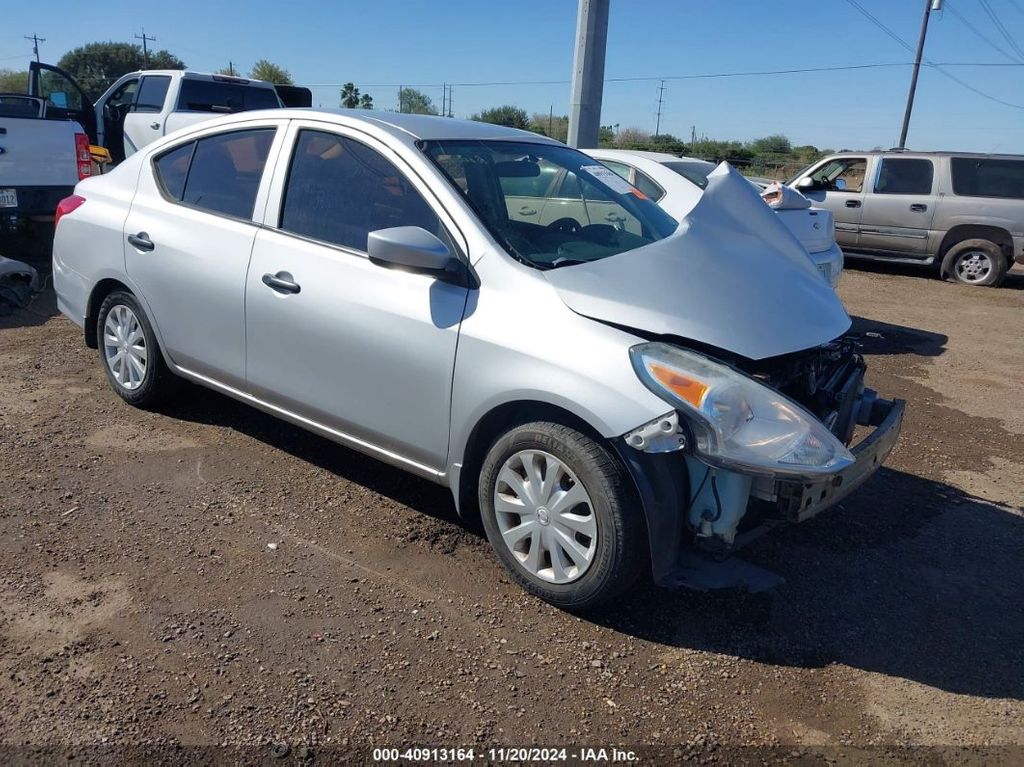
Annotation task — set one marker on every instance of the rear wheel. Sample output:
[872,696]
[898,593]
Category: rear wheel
[129,352]
[975,262]
[558,511]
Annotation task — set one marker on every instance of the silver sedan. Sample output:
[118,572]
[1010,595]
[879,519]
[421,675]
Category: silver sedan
[605,390]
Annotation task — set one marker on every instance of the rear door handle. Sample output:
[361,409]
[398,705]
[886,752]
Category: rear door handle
[141,241]
[853,203]
[281,282]
[919,207]
[154,126]
[527,211]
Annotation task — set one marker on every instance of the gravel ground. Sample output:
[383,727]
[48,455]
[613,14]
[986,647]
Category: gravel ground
[207,575]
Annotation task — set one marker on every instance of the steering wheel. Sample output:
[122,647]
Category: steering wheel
[565,224]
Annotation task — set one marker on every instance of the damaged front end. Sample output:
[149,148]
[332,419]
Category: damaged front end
[19,283]
[777,452]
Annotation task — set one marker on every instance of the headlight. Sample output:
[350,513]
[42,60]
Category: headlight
[738,423]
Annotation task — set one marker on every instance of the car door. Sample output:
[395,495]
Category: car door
[898,209]
[189,234]
[838,185]
[364,351]
[64,96]
[144,122]
[112,109]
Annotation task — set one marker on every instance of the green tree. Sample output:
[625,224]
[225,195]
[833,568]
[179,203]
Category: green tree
[775,144]
[96,65]
[555,126]
[268,70]
[415,102]
[366,101]
[349,96]
[12,81]
[508,115]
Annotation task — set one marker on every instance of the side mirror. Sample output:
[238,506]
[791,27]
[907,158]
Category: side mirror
[806,184]
[409,246]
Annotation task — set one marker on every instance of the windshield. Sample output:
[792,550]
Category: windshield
[550,205]
[692,170]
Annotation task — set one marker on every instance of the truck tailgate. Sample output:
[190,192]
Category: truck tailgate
[37,152]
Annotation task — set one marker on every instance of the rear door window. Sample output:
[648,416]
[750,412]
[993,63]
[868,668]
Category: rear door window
[219,173]
[224,97]
[902,175]
[152,93]
[648,186]
[985,177]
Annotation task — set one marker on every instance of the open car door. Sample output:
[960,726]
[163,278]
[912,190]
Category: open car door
[294,95]
[64,96]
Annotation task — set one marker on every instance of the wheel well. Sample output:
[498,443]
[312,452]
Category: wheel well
[493,425]
[102,289]
[999,236]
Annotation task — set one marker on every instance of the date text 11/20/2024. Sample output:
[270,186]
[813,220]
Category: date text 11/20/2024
[503,754]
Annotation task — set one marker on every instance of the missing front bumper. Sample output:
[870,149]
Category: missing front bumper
[799,501]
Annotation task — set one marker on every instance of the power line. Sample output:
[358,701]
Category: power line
[932,64]
[1002,29]
[978,33]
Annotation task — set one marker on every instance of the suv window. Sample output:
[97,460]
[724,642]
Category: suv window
[152,93]
[340,190]
[849,170]
[225,97]
[901,175]
[219,173]
[984,177]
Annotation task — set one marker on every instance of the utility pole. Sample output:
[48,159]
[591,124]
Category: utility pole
[929,6]
[588,73]
[36,39]
[231,68]
[145,48]
[551,119]
[661,95]
[444,99]
[401,106]
[450,89]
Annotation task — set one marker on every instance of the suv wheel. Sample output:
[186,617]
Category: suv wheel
[129,352]
[975,262]
[559,513]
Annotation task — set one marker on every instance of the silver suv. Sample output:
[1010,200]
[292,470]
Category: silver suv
[964,211]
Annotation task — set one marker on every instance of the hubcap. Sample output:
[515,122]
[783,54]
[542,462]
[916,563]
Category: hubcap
[124,347]
[973,266]
[545,517]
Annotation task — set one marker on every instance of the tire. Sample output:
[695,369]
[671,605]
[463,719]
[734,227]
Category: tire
[131,333]
[975,262]
[561,458]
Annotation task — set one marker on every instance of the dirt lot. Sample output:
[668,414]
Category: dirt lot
[140,600]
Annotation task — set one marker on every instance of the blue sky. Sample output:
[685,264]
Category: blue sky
[379,44]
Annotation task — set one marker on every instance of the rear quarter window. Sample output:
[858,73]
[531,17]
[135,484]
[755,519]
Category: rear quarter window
[171,169]
[984,177]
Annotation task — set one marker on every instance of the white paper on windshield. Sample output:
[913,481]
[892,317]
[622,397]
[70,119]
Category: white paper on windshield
[613,180]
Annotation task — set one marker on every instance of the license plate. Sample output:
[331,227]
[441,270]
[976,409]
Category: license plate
[8,198]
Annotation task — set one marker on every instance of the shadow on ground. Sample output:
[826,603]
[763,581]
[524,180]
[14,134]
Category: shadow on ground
[885,338]
[1014,280]
[908,577]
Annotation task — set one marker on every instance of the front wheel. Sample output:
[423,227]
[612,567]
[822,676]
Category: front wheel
[559,512]
[975,262]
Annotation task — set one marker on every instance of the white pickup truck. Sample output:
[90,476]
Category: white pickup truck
[43,154]
[140,107]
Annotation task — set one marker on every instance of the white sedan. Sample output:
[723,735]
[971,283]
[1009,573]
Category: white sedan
[677,183]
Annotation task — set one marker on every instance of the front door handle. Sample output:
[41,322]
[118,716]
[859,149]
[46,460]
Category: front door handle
[527,211]
[918,207]
[141,241]
[154,126]
[853,203]
[281,282]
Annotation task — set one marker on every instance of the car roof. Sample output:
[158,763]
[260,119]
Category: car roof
[659,157]
[415,127]
[914,153]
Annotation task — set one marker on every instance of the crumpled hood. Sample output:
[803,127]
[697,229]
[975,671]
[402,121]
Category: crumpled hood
[732,276]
